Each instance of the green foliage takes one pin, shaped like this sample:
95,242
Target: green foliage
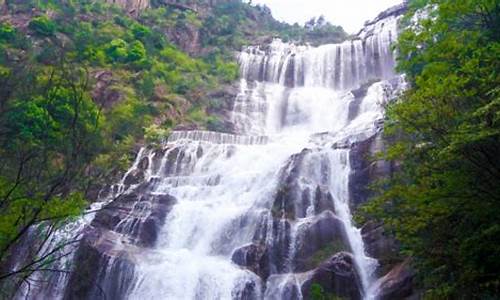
117,50
442,203
128,117
234,24
154,134
50,134
319,31
42,25
136,52
141,32
7,32
228,72
318,293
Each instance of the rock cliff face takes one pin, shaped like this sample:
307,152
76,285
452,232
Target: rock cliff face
132,6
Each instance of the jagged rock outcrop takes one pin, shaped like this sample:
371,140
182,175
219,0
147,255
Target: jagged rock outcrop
396,10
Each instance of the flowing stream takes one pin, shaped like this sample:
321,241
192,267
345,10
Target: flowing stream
251,207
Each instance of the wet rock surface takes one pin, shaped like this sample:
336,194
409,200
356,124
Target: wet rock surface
96,256
365,169
398,283
337,276
325,230
380,245
144,212
254,257
121,230
291,202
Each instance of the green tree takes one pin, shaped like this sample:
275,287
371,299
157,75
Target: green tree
47,143
444,198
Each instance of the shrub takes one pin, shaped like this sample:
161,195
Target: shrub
7,32
42,25
136,52
117,50
141,32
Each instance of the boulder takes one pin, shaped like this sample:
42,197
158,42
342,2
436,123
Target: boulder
247,291
398,283
336,276
323,234
254,257
282,286
96,258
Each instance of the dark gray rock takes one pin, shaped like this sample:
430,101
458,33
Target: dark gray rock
279,250
325,233
254,257
380,245
248,291
134,177
282,286
359,94
144,214
398,283
94,258
337,276
133,221
323,200
396,10
365,169
290,201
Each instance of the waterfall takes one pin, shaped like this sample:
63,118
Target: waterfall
245,216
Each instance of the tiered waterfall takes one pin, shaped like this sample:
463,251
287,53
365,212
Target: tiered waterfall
256,214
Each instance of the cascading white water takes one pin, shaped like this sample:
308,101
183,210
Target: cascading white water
226,184
295,118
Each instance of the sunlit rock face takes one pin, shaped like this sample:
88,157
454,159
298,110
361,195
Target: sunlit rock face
262,212
132,6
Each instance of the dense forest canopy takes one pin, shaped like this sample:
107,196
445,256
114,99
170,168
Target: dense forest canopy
443,201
